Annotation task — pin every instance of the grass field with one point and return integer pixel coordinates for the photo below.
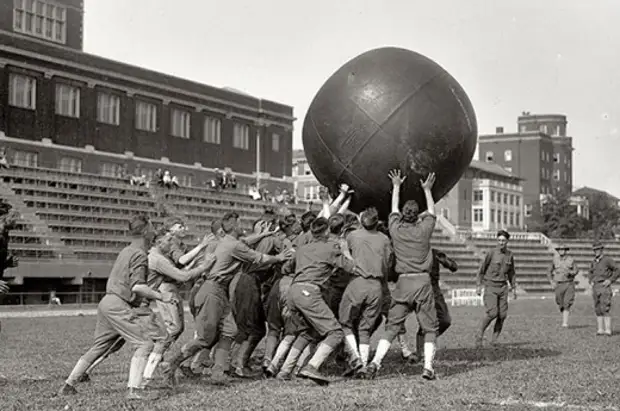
(537, 365)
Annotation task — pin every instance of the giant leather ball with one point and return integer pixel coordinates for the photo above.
(389, 108)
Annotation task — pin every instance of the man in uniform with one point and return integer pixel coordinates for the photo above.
(212, 300)
(496, 273)
(411, 240)
(8, 220)
(314, 264)
(603, 273)
(117, 314)
(360, 307)
(562, 278)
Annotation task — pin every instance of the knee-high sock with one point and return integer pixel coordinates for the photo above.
(271, 345)
(136, 370)
(321, 353)
(222, 354)
(607, 322)
(402, 340)
(282, 350)
(351, 345)
(600, 322)
(79, 369)
(364, 353)
(429, 355)
(151, 365)
(382, 349)
(293, 356)
(306, 353)
(565, 315)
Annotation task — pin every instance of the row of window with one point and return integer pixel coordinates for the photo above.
(544, 128)
(544, 156)
(40, 19)
(312, 192)
(511, 199)
(23, 93)
(557, 175)
(509, 218)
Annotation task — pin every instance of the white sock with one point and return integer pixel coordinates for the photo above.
(429, 355)
(402, 340)
(322, 352)
(607, 321)
(282, 350)
(382, 349)
(565, 315)
(136, 371)
(151, 365)
(351, 345)
(79, 369)
(364, 353)
(601, 324)
(307, 352)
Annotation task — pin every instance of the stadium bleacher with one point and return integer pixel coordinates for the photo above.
(73, 225)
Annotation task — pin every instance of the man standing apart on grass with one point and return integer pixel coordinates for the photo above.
(496, 273)
(411, 240)
(562, 278)
(8, 219)
(603, 273)
(118, 313)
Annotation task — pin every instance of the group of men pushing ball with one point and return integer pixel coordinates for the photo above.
(316, 282)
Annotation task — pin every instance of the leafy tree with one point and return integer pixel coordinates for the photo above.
(560, 218)
(604, 215)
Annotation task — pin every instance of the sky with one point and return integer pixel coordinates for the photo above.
(510, 56)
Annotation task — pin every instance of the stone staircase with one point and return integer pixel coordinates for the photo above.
(37, 225)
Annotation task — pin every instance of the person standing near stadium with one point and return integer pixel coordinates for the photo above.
(119, 312)
(562, 278)
(8, 220)
(496, 273)
(411, 235)
(603, 273)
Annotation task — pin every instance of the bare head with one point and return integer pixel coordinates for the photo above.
(502, 239)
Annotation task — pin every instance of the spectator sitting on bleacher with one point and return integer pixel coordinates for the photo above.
(219, 179)
(4, 163)
(254, 193)
(159, 176)
(232, 181)
(54, 299)
(166, 179)
(175, 182)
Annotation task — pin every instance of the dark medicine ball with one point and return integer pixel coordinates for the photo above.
(389, 108)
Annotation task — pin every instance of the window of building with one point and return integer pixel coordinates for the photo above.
(547, 156)
(70, 164)
(542, 172)
(445, 212)
(556, 157)
(25, 159)
(186, 180)
(505, 198)
(556, 175)
(67, 100)
(542, 155)
(241, 136)
(557, 130)
(40, 19)
(565, 176)
(512, 199)
(465, 194)
(489, 156)
(108, 108)
(528, 210)
(212, 132)
(509, 169)
(508, 155)
(543, 128)
(522, 129)
(478, 196)
(518, 219)
(111, 170)
(517, 200)
(492, 196)
(512, 219)
(275, 142)
(505, 217)
(180, 122)
(146, 116)
(478, 215)
(23, 92)
(492, 215)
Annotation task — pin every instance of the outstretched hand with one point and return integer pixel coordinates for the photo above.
(396, 178)
(429, 182)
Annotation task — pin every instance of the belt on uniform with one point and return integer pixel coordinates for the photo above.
(412, 275)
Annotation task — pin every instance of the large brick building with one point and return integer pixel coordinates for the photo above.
(539, 152)
(50, 90)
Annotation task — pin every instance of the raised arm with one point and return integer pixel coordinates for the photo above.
(427, 187)
(189, 256)
(345, 206)
(397, 181)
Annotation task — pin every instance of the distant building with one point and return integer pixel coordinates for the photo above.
(488, 197)
(582, 204)
(305, 185)
(540, 153)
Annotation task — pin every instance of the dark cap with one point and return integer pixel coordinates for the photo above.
(503, 233)
(597, 245)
